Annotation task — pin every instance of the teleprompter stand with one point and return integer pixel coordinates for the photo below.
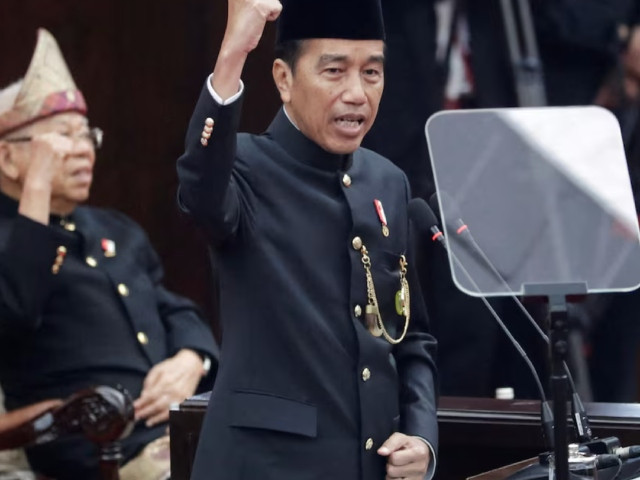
(558, 351)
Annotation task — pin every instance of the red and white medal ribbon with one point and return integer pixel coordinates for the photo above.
(109, 247)
(382, 217)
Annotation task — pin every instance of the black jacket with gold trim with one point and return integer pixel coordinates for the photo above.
(103, 318)
(303, 390)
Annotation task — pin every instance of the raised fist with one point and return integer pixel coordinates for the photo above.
(47, 155)
(246, 20)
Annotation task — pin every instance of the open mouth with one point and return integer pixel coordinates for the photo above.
(82, 174)
(351, 121)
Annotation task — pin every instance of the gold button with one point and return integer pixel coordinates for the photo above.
(366, 374)
(357, 243)
(142, 338)
(91, 262)
(70, 227)
(123, 290)
(61, 250)
(369, 444)
(346, 180)
(357, 310)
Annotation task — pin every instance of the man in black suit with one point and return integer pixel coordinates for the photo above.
(81, 298)
(326, 366)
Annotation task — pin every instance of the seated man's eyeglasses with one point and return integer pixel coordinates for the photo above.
(94, 135)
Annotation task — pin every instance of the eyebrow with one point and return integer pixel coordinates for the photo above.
(336, 57)
(331, 57)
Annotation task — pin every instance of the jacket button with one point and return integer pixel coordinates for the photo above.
(357, 310)
(356, 243)
(142, 338)
(70, 227)
(346, 180)
(123, 290)
(92, 262)
(368, 444)
(366, 374)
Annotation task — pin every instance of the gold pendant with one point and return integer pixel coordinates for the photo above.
(400, 302)
(385, 230)
(371, 321)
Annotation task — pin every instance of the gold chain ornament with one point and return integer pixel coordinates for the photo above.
(372, 316)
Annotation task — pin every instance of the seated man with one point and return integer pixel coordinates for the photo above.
(81, 299)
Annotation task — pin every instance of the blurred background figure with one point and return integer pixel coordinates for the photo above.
(584, 52)
(81, 295)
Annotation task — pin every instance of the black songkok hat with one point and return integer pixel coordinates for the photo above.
(344, 19)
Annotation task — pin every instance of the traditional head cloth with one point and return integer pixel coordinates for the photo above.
(46, 89)
(345, 19)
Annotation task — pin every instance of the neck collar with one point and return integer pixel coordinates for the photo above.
(304, 149)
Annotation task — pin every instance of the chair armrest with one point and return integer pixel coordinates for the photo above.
(12, 431)
(101, 414)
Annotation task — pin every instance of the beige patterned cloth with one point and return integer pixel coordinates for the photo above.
(13, 463)
(47, 88)
(153, 463)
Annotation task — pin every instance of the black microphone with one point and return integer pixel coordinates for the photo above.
(424, 219)
(578, 412)
(632, 451)
(426, 223)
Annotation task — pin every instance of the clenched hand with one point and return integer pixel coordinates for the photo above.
(407, 457)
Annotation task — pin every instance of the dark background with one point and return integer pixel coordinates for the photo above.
(141, 65)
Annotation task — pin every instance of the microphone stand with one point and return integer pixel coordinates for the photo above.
(546, 415)
(559, 347)
(578, 411)
(558, 350)
(579, 415)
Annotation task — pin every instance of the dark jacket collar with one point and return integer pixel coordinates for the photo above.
(303, 149)
(8, 206)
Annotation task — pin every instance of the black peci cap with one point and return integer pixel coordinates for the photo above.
(345, 19)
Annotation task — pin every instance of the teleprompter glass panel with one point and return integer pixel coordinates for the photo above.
(545, 195)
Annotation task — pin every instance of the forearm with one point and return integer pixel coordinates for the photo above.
(417, 373)
(205, 171)
(35, 201)
(228, 71)
(186, 329)
(26, 274)
(181, 318)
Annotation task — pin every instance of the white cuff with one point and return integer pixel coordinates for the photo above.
(218, 98)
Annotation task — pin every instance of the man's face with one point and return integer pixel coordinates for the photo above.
(73, 176)
(334, 92)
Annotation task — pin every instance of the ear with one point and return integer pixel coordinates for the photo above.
(8, 166)
(283, 78)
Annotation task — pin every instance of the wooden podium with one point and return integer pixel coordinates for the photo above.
(504, 472)
(476, 434)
